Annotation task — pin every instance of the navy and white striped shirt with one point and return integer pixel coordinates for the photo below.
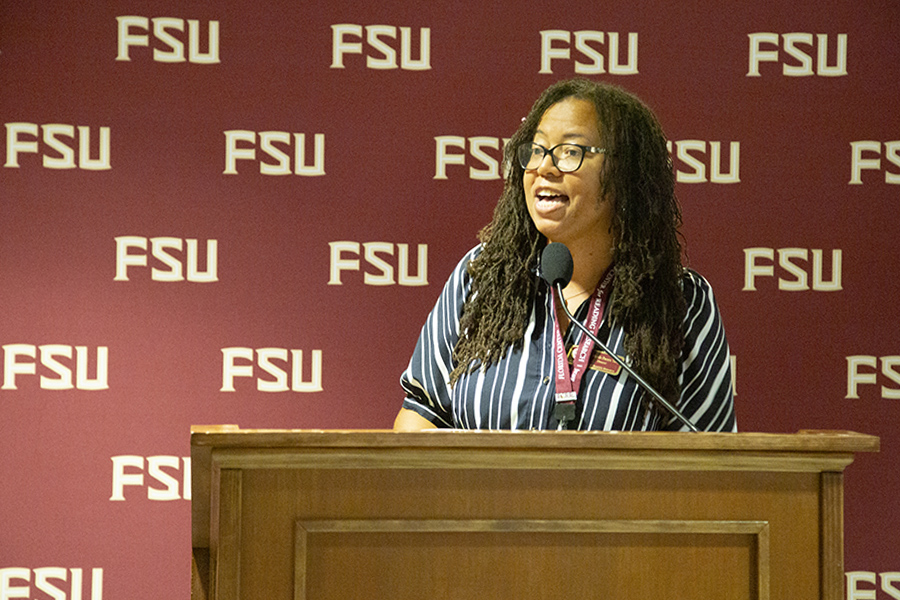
(517, 391)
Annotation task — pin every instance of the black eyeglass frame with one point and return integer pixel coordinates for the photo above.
(525, 159)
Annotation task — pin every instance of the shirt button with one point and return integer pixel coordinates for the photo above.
(546, 380)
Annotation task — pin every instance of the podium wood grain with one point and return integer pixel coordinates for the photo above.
(320, 515)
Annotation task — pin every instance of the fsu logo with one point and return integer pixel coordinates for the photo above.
(168, 32)
(379, 256)
(56, 582)
(288, 151)
(275, 369)
(867, 156)
(691, 158)
(63, 367)
(794, 271)
(792, 44)
(174, 259)
(555, 46)
(347, 39)
(58, 146)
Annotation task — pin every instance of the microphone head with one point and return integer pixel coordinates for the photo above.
(556, 264)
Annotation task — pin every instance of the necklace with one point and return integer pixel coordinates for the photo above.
(579, 294)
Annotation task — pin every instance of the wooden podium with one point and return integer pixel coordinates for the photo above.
(338, 515)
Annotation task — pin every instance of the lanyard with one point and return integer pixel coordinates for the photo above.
(568, 382)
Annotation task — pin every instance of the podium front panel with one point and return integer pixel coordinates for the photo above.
(393, 517)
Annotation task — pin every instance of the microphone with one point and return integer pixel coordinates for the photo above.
(556, 270)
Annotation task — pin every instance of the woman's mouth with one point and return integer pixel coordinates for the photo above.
(549, 200)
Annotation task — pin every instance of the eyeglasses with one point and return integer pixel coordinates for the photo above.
(566, 157)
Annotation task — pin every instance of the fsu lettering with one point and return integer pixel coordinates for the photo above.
(485, 151)
(890, 585)
(866, 155)
(382, 55)
(277, 146)
(283, 369)
(170, 254)
(863, 370)
(794, 276)
(58, 146)
(57, 366)
(373, 253)
(128, 470)
(694, 158)
(134, 30)
(793, 45)
(54, 582)
(555, 45)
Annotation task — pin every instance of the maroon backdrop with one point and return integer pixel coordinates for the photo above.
(242, 212)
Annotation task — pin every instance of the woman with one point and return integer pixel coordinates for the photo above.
(588, 168)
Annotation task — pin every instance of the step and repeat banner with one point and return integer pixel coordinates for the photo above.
(239, 212)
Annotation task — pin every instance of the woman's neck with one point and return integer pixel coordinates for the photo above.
(586, 273)
(589, 265)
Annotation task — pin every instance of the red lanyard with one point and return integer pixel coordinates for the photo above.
(567, 384)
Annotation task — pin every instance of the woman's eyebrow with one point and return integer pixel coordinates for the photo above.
(566, 136)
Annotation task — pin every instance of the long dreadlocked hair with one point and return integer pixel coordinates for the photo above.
(647, 298)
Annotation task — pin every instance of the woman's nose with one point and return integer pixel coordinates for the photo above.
(547, 165)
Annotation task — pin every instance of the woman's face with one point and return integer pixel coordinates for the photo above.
(567, 207)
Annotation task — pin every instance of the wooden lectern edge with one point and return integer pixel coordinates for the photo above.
(214, 428)
(804, 440)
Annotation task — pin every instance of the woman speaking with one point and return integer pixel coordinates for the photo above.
(588, 168)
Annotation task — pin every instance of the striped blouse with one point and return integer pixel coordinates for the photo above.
(517, 391)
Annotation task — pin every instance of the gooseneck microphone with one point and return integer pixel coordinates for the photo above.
(556, 269)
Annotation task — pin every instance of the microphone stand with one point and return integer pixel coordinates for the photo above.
(665, 403)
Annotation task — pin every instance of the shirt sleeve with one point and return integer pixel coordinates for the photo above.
(707, 398)
(426, 381)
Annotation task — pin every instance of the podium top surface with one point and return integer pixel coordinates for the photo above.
(231, 436)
